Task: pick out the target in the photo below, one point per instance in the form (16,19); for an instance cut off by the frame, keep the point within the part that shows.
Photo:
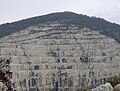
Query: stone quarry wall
(58,57)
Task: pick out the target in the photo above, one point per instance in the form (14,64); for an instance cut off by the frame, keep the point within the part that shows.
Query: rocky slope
(60,57)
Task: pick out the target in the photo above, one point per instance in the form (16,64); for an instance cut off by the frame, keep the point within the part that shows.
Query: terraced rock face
(59,57)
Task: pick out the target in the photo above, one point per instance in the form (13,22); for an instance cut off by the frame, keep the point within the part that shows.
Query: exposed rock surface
(59,57)
(116,87)
(104,87)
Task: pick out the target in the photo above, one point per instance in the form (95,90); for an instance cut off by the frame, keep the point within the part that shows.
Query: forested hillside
(110,29)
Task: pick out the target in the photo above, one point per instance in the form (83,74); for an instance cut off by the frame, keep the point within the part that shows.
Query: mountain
(107,28)
(59,52)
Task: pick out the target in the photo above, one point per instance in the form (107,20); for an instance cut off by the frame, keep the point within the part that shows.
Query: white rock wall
(55,57)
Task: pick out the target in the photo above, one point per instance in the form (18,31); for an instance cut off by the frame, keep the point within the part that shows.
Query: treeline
(110,29)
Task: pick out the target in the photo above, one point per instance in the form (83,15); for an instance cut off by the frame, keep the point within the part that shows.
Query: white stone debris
(116,87)
(104,87)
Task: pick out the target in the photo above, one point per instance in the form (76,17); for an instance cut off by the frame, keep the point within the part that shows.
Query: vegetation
(6,74)
(110,29)
(114,80)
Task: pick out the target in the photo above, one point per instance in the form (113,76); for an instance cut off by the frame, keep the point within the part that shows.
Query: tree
(5,73)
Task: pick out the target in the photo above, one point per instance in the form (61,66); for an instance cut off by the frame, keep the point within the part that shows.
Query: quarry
(59,57)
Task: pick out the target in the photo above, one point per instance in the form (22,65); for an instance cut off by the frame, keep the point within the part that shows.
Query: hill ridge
(98,24)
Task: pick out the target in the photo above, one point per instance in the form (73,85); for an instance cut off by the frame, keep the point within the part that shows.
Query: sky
(14,10)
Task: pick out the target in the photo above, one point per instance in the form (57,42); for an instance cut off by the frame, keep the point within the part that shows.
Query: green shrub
(114,80)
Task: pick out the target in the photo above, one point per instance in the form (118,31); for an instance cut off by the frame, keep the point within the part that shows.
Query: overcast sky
(13,10)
